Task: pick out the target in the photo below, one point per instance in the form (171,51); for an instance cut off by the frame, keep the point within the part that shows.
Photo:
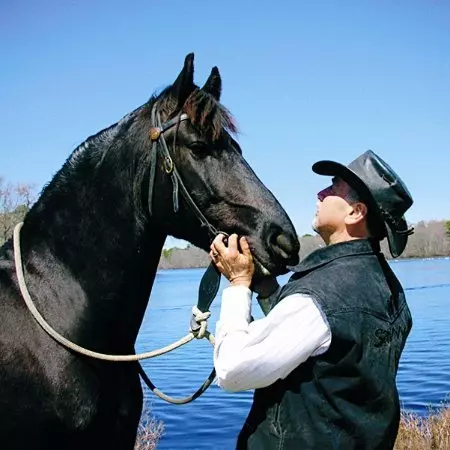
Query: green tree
(447,228)
(167,253)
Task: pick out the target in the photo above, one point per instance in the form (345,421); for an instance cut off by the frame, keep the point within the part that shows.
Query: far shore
(397,260)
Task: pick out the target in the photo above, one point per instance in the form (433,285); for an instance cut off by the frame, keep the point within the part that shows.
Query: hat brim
(397,241)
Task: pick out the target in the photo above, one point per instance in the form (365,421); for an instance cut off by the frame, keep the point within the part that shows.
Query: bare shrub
(149,432)
(15,201)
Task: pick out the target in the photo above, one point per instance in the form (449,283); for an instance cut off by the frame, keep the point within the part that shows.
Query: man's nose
(323,193)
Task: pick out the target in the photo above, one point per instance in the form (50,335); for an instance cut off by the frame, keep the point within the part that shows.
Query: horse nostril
(285,246)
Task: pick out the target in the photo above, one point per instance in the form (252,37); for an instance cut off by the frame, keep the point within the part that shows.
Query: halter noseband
(157,137)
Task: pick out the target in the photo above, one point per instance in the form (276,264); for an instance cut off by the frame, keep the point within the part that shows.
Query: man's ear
(357,213)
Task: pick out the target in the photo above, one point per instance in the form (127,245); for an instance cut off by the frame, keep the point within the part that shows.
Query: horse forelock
(207,113)
(203,109)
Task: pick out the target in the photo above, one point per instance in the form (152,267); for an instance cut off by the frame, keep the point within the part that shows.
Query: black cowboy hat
(381,189)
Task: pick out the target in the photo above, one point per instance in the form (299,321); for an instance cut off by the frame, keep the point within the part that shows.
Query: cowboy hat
(385,194)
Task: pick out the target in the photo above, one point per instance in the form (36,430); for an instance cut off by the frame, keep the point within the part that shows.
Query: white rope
(199,316)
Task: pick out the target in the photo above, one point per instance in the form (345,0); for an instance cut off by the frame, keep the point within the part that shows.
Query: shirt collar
(332,252)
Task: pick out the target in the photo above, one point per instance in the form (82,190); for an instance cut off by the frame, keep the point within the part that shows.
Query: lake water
(213,420)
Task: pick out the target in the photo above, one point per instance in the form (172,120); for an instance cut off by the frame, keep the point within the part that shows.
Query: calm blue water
(213,420)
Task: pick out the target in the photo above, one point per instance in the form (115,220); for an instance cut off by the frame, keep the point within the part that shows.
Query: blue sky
(305,80)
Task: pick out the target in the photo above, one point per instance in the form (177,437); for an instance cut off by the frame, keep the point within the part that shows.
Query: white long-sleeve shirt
(255,355)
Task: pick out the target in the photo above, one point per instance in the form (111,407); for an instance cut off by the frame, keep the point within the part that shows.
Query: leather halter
(159,145)
(210,282)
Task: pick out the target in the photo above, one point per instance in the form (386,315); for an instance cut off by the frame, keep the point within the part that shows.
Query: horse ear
(213,84)
(184,84)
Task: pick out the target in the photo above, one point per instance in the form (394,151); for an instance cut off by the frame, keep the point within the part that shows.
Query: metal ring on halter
(168,165)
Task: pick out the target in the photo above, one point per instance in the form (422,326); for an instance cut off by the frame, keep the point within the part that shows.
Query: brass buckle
(168,165)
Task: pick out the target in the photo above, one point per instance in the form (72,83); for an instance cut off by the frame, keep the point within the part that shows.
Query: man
(324,359)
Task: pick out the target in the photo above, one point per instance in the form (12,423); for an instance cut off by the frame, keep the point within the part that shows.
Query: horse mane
(94,148)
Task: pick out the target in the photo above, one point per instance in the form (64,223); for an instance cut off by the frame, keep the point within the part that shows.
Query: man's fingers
(219,248)
(218,244)
(233,244)
(245,247)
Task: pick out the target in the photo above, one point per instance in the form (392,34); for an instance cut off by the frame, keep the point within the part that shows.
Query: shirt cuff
(236,306)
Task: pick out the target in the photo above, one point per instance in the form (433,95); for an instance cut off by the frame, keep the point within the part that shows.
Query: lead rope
(208,286)
(200,316)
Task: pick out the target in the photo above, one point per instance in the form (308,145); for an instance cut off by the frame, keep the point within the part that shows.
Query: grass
(424,433)
(415,432)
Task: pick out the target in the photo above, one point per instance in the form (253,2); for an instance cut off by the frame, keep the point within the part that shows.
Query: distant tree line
(430,238)
(15,201)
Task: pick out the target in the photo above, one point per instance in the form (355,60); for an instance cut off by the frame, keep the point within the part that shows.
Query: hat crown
(386,187)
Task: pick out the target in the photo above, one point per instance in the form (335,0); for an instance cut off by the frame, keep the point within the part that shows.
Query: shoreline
(396,260)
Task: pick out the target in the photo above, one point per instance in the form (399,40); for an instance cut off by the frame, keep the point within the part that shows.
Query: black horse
(90,248)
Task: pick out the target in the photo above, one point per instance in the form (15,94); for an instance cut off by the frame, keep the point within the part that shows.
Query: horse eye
(198,146)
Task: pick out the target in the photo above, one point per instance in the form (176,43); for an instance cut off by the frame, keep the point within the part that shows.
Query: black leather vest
(346,398)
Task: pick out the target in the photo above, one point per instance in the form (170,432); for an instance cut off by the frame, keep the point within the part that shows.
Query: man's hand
(234,264)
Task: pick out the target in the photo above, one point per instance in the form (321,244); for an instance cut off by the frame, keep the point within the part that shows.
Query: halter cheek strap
(157,137)
(159,145)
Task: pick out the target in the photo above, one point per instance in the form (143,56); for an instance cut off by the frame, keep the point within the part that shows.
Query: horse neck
(90,260)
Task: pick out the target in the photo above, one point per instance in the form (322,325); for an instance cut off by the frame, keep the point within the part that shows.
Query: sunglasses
(325,193)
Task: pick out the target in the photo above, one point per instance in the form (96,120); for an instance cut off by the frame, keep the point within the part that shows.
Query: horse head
(210,166)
